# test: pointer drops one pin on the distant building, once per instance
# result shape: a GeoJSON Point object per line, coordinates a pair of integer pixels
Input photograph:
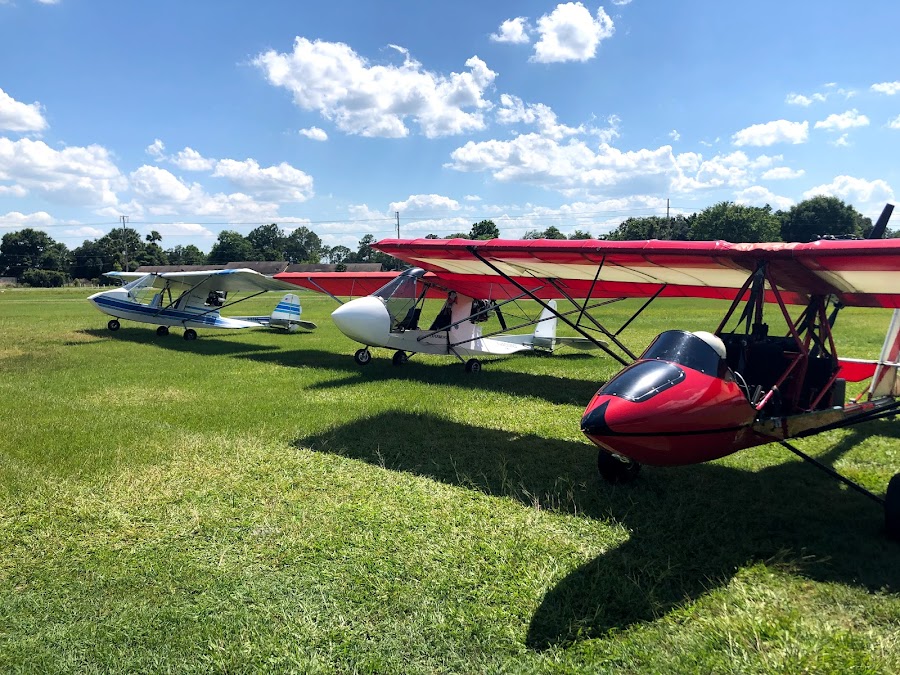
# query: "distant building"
{"type": "Point", "coordinates": [7, 281]}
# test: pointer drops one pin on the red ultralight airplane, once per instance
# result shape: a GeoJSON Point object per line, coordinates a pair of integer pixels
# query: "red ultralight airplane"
{"type": "Point", "coordinates": [695, 397]}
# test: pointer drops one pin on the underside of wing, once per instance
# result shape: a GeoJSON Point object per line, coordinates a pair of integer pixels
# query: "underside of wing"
{"type": "Point", "coordinates": [862, 273]}
{"type": "Point", "coordinates": [237, 280]}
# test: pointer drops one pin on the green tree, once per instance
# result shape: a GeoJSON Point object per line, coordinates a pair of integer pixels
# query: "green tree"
{"type": "Point", "coordinates": [653, 227]}
{"type": "Point", "coordinates": [338, 255]}
{"type": "Point", "coordinates": [186, 255]}
{"type": "Point", "coordinates": [578, 234]}
{"type": "Point", "coordinates": [551, 232]}
{"type": "Point", "coordinates": [484, 229]}
{"type": "Point", "coordinates": [231, 246]}
{"type": "Point", "coordinates": [822, 215]}
{"type": "Point", "coordinates": [90, 260]}
{"type": "Point", "coordinates": [736, 223]}
{"type": "Point", "coordinates": [303, 246]}
{"type": "Point", "coordinates": [268, 241]}
{"type": "Point", "coordinates": [31, 249]}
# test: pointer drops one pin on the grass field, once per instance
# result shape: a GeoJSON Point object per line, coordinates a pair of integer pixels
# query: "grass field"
{"type": "Point", "coordinates": [255, 501]}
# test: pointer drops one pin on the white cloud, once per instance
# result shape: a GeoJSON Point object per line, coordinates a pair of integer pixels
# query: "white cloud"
{"type": "Point", "coordinates": [894, 123]}
{"type": "Point", "coordinates": [570, 33]}
{"type": "Point", "coordinates": [512, 31]}
{"type": "Point", "coordinates": [165, 194]}
{"type": "Point", "coordinates": [846, 120]}
{"type": "Point", "coordinates": [314, 133]}
{"type": "Point", "coordinates": [13, 190]}
{"type": "Point", "coordinates": [805, 101]}
{"type": "Point", "coordinates": [778, 131]}
{"type": "Point", "coordinates": [472, 198]}
{"type": "Point", "coordinates": [184, 230]}
{"type": "Point", "coordinates": [86, 232]}
{"type": "Point", "coordinates": [16, 219]}
{"type": "Point", "coordinates": [782, 173]}
{"type": "Point", "coordinates": [282, 182]}
{"type": "Point", "coordinates": [621, 2]}
{"type": "Point", "coordinates": [513, 110]}
{"type": "Point", "coordinates": [425, 203]}
{"type": "Point", "coordinates": [20, 117]}
{"type": "Point", "coordinates": [854, 190]}
{"type": "Point", "coordinates": [83, 176]}
{"type": "Point", "coordinates": [377, 100]}
{"type": "Point", "coordinates": [191, 160]}
{"type": "Point", "coordinates": [889, 88]}
{"type": "Point", "coordinates": [843, 141]}
{"type": "Point", "coordinates": [674, 135]}
{"type": "Point", "coordinates": [157, 150]}
{"type": "Point", "coordinates": [760, 196]}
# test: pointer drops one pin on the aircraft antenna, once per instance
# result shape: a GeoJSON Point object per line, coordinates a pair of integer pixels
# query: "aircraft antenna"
{"type": "Point", "coordinates": [124, 220]}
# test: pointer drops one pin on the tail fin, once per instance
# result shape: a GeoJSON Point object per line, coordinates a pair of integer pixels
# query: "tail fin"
{"type": "Point", "coordinates": [545, 330]}
{"type": "Point", "coordinates": [885, 381]}
{"type": "Point", "coordinates": [287, 309]}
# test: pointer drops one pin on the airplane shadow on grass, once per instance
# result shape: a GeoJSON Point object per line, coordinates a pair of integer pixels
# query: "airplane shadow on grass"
{"type": "Point", "coordinates": [691, 528]}
{"type": "Point", "coordinates": [206, 346]}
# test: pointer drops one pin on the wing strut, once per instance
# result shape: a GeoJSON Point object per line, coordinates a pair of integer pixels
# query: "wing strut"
{"type": "Point", "coordinates": [543, 304]}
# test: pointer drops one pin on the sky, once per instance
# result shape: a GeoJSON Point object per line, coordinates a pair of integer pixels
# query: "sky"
{"type": "Point", "coordinates": [189, 118]}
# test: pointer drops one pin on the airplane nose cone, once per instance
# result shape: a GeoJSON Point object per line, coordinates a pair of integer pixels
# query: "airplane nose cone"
{"type": "Point", "coordinates": [365, 320]}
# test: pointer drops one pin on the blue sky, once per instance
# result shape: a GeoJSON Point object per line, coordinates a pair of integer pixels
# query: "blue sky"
{"type": "Point", "coordinates": [194, 117]}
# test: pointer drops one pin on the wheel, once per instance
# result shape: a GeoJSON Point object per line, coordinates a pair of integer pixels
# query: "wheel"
{"type": "Point", "coordinates": [615, 469]}
{"type": "Point", "coordinates": [162, 330]}
{"type": "Point", "coordinates": [892, 508]}
{"type": "Point", "coordinates": [473, 366]}
{"type": "Point", "coordinates": [362, 356]}
{"type": "Point", "coordinates": [113, 324]}
{"type": "Point", "coordinates": [400, 358]}
{"type": "Point", "coordinates": [190, 334]}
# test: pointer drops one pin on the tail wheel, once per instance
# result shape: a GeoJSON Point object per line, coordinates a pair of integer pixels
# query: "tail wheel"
{"type": "Point", "coordinates": [616, 470]}
{"type": "Point", "coordinates": [892, 508]}
{"type": "Point", "coordinates": [473, 366]}
{"type": "Point", "coordinates": [362, 356]}
{"type": "Point", "coordinates": [190, 334]}
{"type": "Point", "coordinates": [113, 324]}
{"type": "Point", "coordinates": [400, 357]}
{"type": "Point", "coordinates": [162, 330]}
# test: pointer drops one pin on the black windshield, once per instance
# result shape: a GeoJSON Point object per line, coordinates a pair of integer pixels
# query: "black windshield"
{"type": "Point", "coordinates": [643, 380]}
{"type": "Point", "coordinates": [685, 348]}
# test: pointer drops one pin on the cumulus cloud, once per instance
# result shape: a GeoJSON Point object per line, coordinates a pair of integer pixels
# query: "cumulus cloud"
{"type": "Point", "coordinates": [760, 196]}
{"type": "Point", "coordinates": [571, 33]}
{"type": "Point", "coordinates": [894, 123]}
{"type": "Point", "coordinates": [20, 117]}
{"type": "Point", "coordinates": [314, 133]}
{"type": "Point", "coordinates": [157, 150]}
{"type": "Point", "coordinates": [674, 135]}
{"type": "Point", "coordinates": [84, 176]}
{"type": "Point", "coordinates": [191, 160]}
{"type": "Point", "coordinates": [770, 133]}
{"type": "Point", "coordinates": [512, 109]}
{"type": "Point", "coordinates": [843, 121]}
{"type": "Point", "coordinates": [378, 100]}
{"type": "Point", "coordinates": [854, 190]}
{"type": "Point", "coordinates": [166, 194]}
{"type": "Point", "coordinates": [805, 101]}
{"type": "Point", "coordinates": [889, 88]}
{"type": "Point", "coordinates": [86, 231]}
{"type": "Point", "coordinates": [782, 173]}
{"type": "Point", "coordinates": [430, 202]}
{"type": "Point", "coordinates": [184, 230]}
{"type": "Point", "coordinates": [282, 182]}
{"type": "Point", "coordinates": [512, 31]}
{"type": "Point", "coordinates": [16, 219]}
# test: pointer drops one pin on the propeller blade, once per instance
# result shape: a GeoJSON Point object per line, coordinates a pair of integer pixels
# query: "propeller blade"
{"type": "Point", "coordinates": [881, 224]}
{"type": "Point", "coordinates": [500, 316]}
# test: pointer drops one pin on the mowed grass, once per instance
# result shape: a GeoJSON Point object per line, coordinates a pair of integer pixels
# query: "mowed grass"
{"type": "Point", "coordinates": [254, 501]}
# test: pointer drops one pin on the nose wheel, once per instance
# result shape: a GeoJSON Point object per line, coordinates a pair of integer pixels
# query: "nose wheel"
{"type": "Point", "coordinates": [363, 356]}
{"type": "Point", "coordinates": [616, 470]}
{"type": "Point", "coordinates": [113, 325]}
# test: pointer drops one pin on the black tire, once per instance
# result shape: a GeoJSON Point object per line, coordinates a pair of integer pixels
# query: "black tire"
{"type": "Point", "coordinates": [615, 470]}
{"type": "Point", "coordinates": [190, 334]}
{"type": "Point", "coordinates": [362, 356]}
{"type": "Point", "coordinates": [162, 331]}
{"type": "Point", "coordinates": [113, 324]}
{"type": "Point", "coordinates": [473, 366]}
{"type": "Point", "coordinates": [399, 358]}
{"type": "Point", "coordinates": [892, 508]}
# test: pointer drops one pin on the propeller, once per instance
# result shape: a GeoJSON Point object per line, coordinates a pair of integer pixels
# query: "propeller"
{"type": "Point", "coordinates": [881, 224]}
{"type": "Point", "coordinates": [499, 315]}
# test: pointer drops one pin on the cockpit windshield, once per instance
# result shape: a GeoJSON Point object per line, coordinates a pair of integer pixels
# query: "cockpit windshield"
{"type": "Point", "coordinates": [686, 349]}
{"type": "Point", "coordinates": [401, 295]}
{"type": "Point", "coordinates": [140, 282]}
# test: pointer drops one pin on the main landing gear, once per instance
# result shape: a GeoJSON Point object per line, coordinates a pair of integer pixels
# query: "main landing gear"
{"type": "Point", "coordinates": [400, 357]}
{"type": "Point", "coordinates": [190, 334]}
{"type": "Point", "coordinates": [113, 325]}
{"type": "Point", "coordinates": [362, 356]}
{"type": "Point", "coordinates": [162, 331]}
{"type": "Point", "coordinates": [473, 366]}
{"type": "Point", "coordinates": [615, 469]}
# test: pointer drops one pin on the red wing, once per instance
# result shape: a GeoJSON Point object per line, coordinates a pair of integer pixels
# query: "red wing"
{"type": "Point", "coordinates": [862, 273]}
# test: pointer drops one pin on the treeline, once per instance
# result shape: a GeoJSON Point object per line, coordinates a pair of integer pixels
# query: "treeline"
{"type": "Point", "coordinates": [34, 258]}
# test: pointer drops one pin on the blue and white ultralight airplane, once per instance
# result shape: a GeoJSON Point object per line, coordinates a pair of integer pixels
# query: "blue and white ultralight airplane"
{"type": "Point", "coordinates": [193, 300]}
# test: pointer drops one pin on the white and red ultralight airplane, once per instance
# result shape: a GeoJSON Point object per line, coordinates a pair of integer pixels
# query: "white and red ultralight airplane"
{"type": "Point", "coordinates": [692, 396]}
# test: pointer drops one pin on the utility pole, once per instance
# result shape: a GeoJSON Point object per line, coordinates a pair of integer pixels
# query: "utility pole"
{"type": "Point", "coordinates": [397, 213]}
{"type": "Point", "coordinates": [667, 208]}
{"type": "Point", "coordinates": [124, 220]}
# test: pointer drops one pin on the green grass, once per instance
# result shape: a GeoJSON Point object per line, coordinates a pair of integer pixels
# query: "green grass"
{"type": "Point", "coordinates": [254, 501]}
